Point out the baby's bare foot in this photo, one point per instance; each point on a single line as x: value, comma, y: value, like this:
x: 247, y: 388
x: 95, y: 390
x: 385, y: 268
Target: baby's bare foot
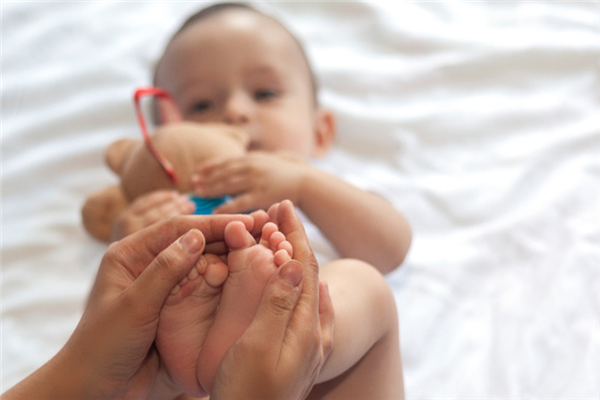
x: 250, y: 267
x: 185, y: 319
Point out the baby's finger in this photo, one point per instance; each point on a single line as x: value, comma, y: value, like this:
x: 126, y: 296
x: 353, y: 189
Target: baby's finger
x: 182, y: 206
x: 239, y: 204
x: 151, y: 200
x: 229, y: 186
x: 213, y: 164
x: 225, y: 171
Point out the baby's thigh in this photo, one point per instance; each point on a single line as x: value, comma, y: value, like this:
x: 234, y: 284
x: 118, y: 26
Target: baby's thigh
x: 358, y: 285
x: 364, y: 306
x: 366, y: 361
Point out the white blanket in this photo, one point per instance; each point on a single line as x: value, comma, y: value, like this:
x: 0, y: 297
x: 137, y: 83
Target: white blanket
x: 479, y: 120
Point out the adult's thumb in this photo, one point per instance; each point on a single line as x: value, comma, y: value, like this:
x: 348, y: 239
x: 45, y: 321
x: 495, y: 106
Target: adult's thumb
x: 278, y: 302
x: 170, y: 266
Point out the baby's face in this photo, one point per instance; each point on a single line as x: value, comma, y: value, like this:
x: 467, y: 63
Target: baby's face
x: 243, y: 69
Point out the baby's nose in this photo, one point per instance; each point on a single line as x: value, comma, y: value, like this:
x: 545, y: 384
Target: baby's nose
x: 238, y: 110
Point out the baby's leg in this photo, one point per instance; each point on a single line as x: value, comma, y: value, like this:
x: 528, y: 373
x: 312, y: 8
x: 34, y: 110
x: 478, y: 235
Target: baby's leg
x: 365, y: 362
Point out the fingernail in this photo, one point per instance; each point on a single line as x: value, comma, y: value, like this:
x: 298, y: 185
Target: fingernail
x: 196, y: 178
x: 191, y: 242
x: 291, y: 273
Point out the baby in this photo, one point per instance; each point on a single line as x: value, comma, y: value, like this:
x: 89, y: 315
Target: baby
x: 233, y: 65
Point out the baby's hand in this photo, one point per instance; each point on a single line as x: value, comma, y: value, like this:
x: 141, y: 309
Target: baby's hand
x: 149, y: 209
x: 257, y: 180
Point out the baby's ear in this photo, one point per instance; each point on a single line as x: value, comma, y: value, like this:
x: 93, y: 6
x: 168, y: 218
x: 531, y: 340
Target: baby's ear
x: 324, y: 132
x: 117, y: 153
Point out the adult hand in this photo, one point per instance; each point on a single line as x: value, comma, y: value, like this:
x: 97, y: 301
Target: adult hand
x: 281, y: 353
x: 111, y: 354
x: 149, y: 209
x: 257, y: 180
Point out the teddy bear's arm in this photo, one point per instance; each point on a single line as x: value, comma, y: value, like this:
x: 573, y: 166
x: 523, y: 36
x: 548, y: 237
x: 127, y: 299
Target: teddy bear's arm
x: 101, y: 209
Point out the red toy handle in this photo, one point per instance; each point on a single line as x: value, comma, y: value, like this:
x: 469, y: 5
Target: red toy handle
x: 163, y: 95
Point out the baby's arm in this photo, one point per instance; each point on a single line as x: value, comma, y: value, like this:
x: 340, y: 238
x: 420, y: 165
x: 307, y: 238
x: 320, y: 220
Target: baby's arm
x: 360, y: 224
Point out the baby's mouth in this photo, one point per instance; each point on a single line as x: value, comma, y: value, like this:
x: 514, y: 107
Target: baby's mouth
x: 241, y: 135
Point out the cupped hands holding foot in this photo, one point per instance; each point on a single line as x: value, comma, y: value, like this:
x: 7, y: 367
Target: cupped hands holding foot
x: 215, y: 303
x: 265, y: 317
x: 236, y: 324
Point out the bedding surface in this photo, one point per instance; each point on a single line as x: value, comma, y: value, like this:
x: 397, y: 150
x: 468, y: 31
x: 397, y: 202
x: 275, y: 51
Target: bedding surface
x: 480, y: 121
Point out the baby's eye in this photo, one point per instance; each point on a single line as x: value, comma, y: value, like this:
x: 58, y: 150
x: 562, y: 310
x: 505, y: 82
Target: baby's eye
x: 202, y: 106
x: 265, y: 95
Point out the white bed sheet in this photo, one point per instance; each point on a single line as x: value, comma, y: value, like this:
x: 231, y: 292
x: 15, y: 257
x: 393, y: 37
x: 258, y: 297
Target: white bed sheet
x: 479, y: 120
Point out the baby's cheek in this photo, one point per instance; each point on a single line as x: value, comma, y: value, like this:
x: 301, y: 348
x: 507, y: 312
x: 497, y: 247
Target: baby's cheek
x: 291, y: 134
x: 299, y: 143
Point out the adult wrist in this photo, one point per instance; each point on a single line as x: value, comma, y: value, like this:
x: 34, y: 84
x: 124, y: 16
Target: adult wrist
x: 57, y: 379
x: 74, y: 378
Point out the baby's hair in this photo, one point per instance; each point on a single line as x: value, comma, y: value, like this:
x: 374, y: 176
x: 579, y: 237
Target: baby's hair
x: 212, y: 10
x: 220, y: 7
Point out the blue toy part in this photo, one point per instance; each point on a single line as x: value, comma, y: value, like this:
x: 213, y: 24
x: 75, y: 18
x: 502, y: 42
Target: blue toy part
x: 205, y: 206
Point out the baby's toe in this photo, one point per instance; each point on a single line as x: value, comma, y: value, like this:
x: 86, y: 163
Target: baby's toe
x: 237, y: 237
x: 281, y: 257
x: 268, y: 230
x: 216, y: 270
x: 287, y: 246
x: 193, y: 274
x: 275, y: 240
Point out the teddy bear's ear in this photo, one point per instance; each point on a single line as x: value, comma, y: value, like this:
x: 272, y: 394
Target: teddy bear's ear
x: 117, y: 153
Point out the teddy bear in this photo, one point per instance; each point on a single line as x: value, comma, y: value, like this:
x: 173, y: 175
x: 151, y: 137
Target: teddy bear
x: 182, y: 146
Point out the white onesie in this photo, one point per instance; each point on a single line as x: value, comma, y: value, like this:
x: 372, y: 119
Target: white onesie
x: 321, y: 246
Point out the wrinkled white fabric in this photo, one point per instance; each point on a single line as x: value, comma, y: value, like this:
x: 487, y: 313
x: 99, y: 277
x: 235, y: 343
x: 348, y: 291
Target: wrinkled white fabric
x: 479, y: 120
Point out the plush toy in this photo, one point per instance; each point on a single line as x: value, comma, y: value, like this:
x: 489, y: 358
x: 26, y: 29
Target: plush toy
x: 167, y: 162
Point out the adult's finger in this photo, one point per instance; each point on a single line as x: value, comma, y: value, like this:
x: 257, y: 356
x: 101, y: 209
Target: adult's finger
x: 169, y: 267
x: 138, y: 250
x: 278, y: 301
x: 326, y: 318
x: 291, y: 226
x: 272, y: 213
